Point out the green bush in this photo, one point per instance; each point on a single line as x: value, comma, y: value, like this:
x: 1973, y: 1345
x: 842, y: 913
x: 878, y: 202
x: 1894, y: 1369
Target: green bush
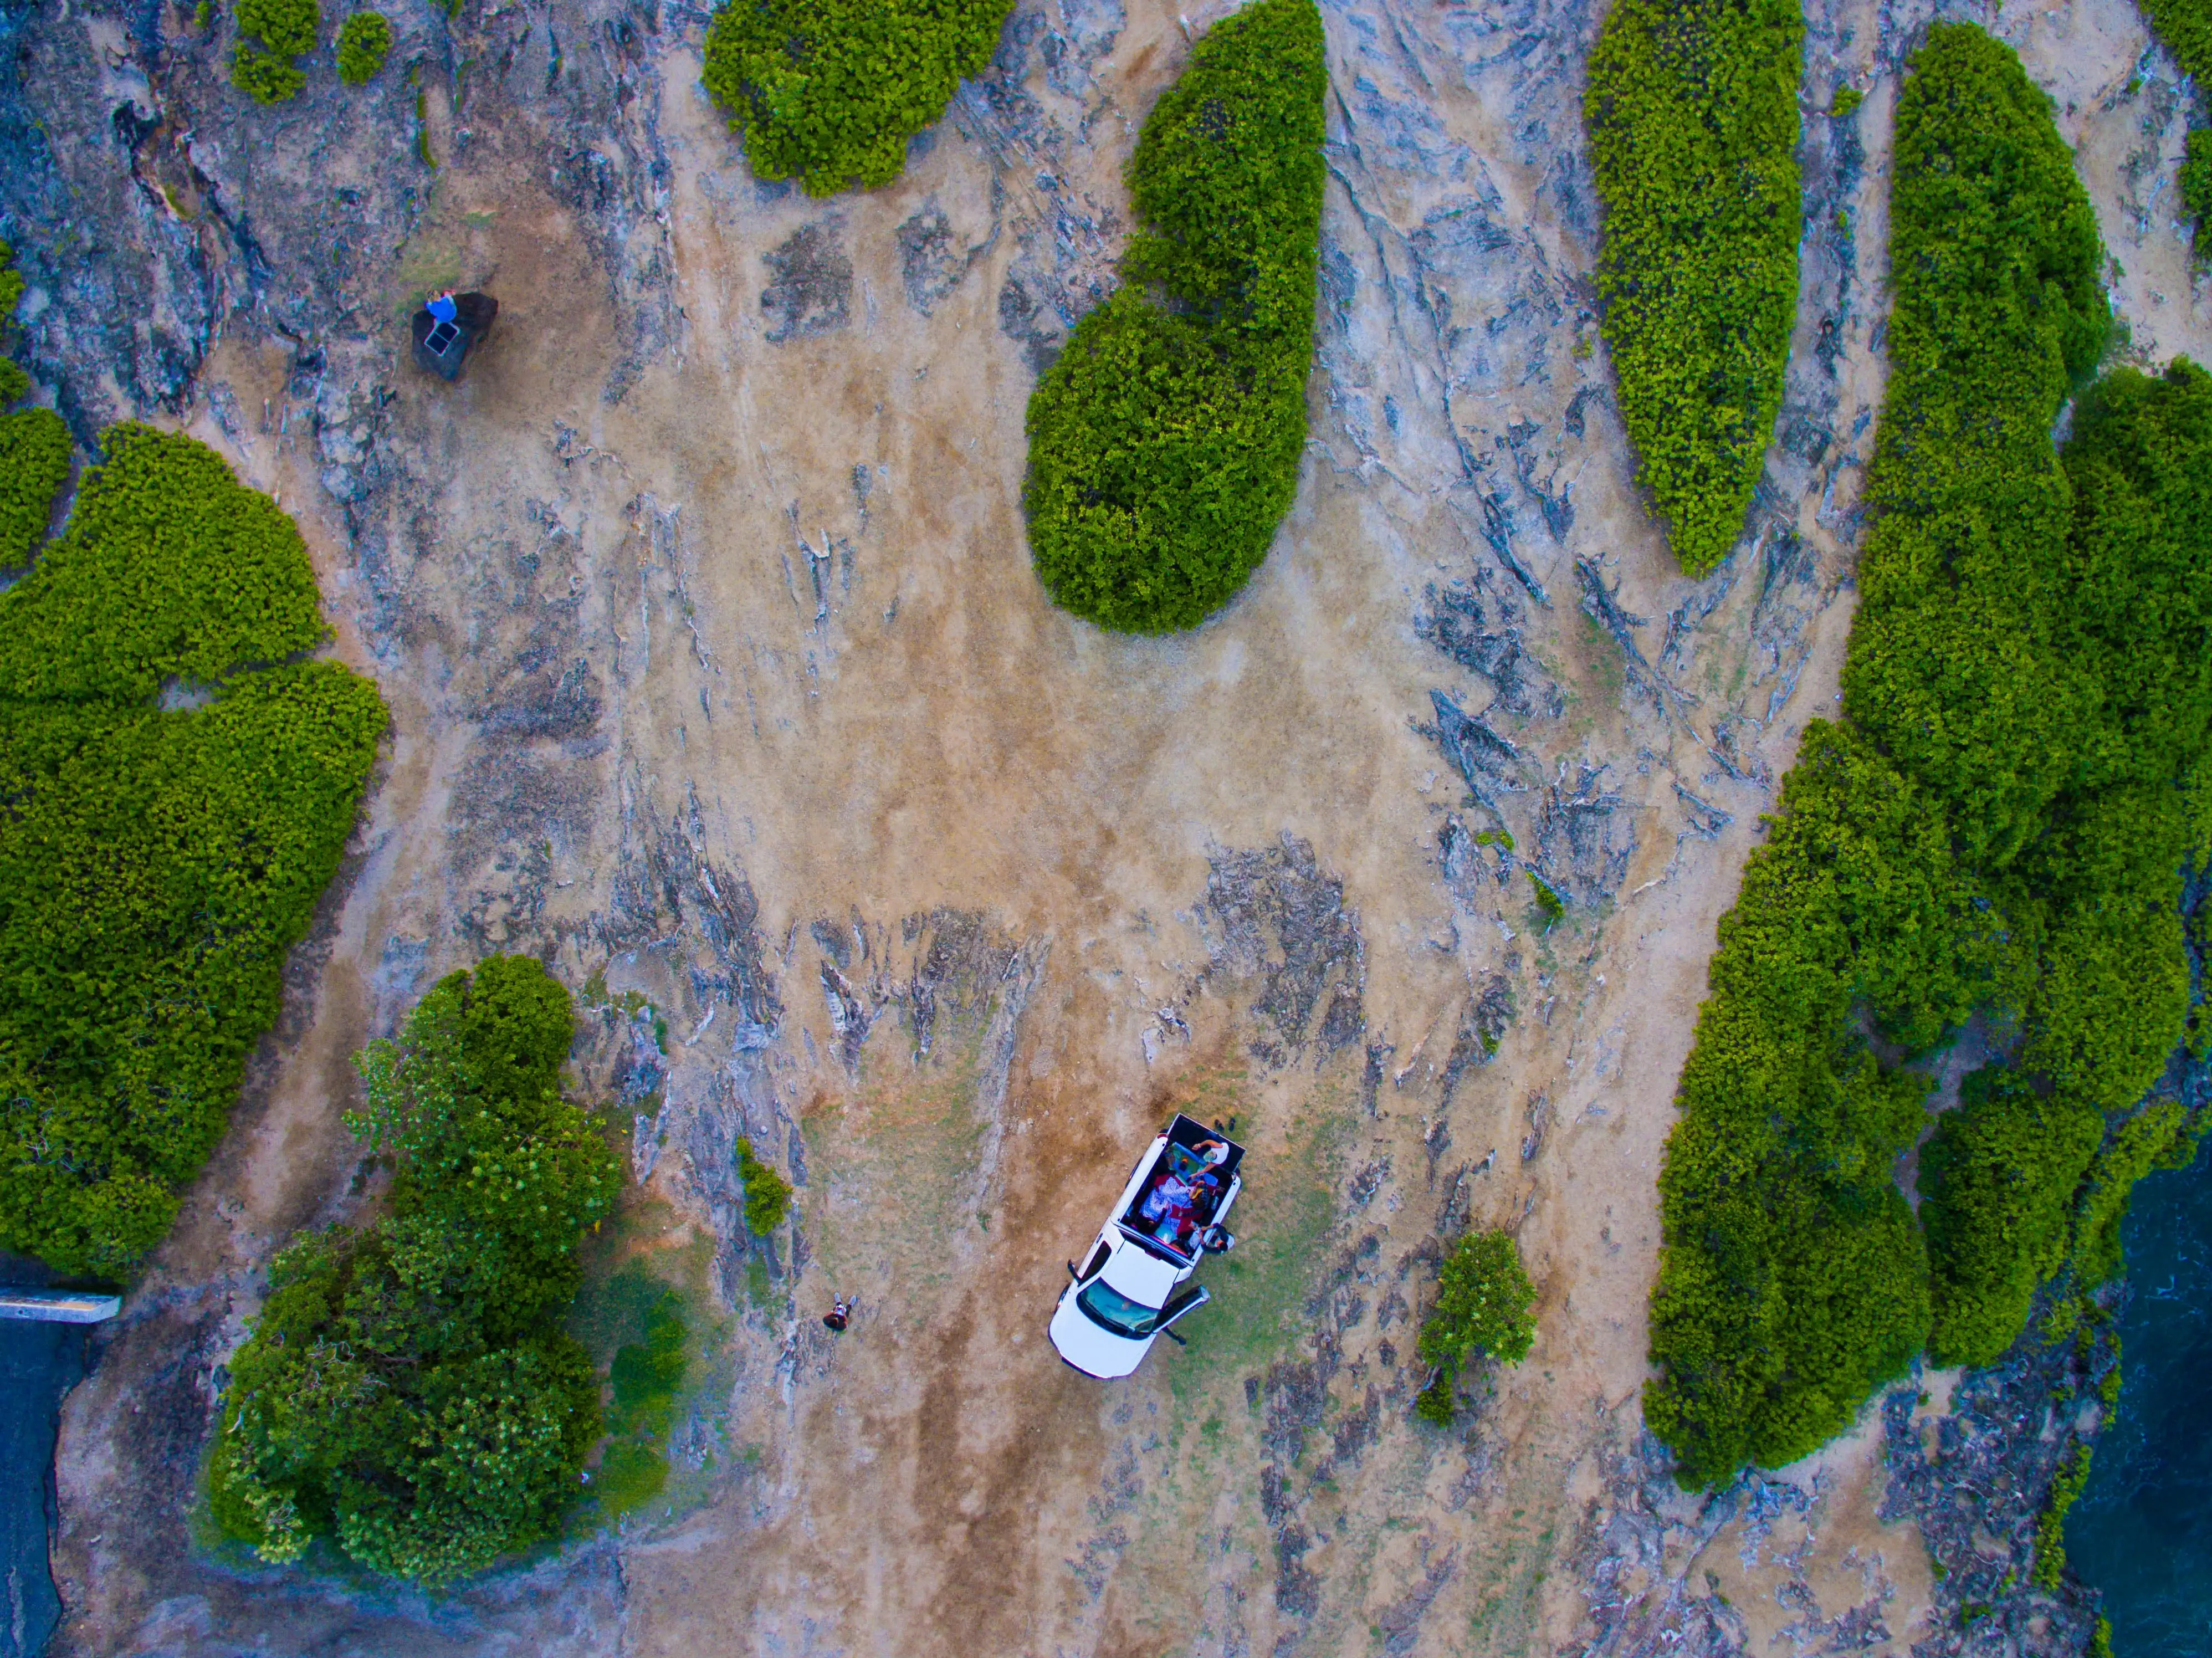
x: 1164, y: 443
x: 267, y: 80
x: 2185, y: 26
x: 1846, y: 102
x: 1692, y: 109
x: 2001, y: 822
x: 1484, y: 1302
x: 1998, y: 1182
x: 2196, y: 179
x: 829, y: 92
x: 362, y: 44
x: 169, y: 569
x: 1994, y: 265
x: 767, y: 1194
x: 155, y: 866
x: 34, y: 464
x: 407, y: 1389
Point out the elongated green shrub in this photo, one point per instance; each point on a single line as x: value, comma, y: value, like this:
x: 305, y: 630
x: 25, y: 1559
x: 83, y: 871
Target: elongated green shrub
x: 829, y: 92
x: 2001, y: 822
x: 1164, y: 443
x: 407, y: 1389
x: 1692, y: 116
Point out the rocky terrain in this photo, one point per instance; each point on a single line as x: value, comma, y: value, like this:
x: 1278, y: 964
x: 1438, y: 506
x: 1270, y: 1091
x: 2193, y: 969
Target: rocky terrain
x: 720, y: 681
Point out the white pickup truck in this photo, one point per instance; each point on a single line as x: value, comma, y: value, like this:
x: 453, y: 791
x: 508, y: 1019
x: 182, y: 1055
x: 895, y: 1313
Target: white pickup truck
x: 1170, y: 1213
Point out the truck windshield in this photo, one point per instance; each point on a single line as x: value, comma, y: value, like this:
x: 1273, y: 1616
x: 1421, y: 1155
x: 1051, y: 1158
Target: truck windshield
x: 1115, y: 1311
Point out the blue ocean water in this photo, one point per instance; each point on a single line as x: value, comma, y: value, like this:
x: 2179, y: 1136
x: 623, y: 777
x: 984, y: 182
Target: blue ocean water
x: 2142, y: 1531
x: 39, y: 1363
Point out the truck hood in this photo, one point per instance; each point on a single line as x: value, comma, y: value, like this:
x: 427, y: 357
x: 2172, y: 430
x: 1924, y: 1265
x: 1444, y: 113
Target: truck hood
x: 1093, y: 1351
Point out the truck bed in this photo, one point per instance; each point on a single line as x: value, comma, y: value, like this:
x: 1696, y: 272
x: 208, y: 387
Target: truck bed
x: 1173, y: 1223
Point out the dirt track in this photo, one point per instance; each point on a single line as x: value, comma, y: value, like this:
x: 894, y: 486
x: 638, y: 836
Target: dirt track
x: 718, y: 668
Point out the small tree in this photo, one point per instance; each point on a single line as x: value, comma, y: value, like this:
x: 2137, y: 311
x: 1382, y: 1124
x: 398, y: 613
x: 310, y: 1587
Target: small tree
x: 767, y: 1194
x: 1484, y: 1306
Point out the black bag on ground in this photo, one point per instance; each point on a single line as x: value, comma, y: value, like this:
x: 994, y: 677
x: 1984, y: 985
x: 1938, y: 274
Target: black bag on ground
x: 441, y: 346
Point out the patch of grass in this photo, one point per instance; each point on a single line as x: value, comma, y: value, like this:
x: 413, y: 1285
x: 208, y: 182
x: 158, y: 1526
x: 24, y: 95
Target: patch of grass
x: 1693, y: 115
x: 1164, y: 443
x: 1846, y: 102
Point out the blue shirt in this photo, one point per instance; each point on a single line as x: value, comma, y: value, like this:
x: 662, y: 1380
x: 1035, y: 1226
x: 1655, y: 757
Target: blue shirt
x: 442, y: 308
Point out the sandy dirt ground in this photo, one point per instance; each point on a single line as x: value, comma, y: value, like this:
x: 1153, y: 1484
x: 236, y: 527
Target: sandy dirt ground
x: 718, y: 670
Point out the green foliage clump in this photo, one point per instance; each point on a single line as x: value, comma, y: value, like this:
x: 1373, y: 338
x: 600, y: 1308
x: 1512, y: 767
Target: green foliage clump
x: 2196, y: 179
x: 829, y: 92
x: 1692, y: 116
x: 1846, y: 102
x: 1483, y: 1308
x: 2185, y: 26
x: 2001, y: 822
x: 407, y: 1389
x: 155, y: 865
x: 1999, y: 1181
x: 286, y: 28
x: 1994, y: 261
x: 363, y: 44
x: 767, y: 1194
x: 34, y: 443
x: 169, y: 569
x: 1164, y: 443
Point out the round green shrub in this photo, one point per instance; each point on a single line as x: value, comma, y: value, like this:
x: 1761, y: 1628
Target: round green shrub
x: 1164, y: 443
x: 829, y: 92
x: 363, y: 44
